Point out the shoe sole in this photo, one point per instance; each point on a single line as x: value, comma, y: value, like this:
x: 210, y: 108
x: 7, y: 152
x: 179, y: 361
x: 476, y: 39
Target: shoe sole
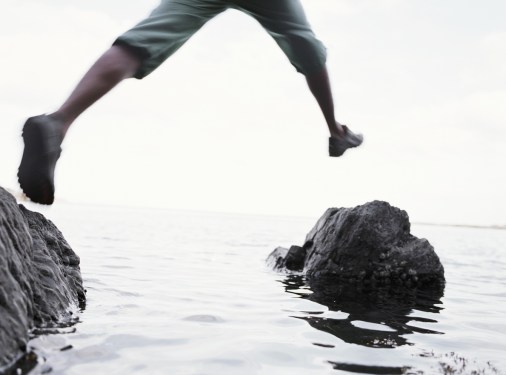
x: 338, y: 147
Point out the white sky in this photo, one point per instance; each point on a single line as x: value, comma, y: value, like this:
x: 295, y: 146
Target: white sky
x: 227, y: 124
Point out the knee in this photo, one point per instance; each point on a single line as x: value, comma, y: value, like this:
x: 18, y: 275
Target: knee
x: 119, y: 62
x: 306, y: 53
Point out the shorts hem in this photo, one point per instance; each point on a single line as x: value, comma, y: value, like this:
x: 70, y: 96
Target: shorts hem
x: 139, y: 51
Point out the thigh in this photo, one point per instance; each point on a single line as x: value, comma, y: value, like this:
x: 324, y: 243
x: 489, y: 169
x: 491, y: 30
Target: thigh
x: 175, y: 19
x: 286, y: 22
x: 276, y: 15
x: 202, y: 10
x: 167, y: 28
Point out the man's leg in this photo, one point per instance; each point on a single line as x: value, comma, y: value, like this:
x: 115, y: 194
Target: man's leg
x: 139, y: 51
x: 43, y: 135
x: 319, y: 84
x: 111, y: 68
x: 286, y: 22
x: 136, y: 53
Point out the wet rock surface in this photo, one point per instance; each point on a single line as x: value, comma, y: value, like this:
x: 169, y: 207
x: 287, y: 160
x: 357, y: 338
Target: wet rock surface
x: 368, y: 245
x: 40, y: 279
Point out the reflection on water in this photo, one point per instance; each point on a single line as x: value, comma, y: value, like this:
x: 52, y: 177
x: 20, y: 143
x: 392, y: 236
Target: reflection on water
x: 362, y: 369
x: 375, y: 318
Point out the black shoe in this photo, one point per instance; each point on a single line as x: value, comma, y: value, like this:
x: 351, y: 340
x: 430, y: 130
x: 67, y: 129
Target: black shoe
x: 42, y: 136
x: 337, y: 146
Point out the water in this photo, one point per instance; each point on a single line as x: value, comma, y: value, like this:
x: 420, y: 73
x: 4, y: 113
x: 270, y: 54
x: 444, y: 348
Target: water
x: 189, y: 293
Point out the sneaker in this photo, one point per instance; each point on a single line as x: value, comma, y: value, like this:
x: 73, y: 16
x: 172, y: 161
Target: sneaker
x: 337, y: 146
x: 42, y: 137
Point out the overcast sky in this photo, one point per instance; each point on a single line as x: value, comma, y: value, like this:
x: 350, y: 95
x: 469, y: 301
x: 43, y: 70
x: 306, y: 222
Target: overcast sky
x: 227, y: 124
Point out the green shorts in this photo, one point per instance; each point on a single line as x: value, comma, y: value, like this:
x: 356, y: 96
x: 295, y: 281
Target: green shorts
x: 173, y: 22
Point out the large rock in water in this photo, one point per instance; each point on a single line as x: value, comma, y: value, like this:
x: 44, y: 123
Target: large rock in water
x: 369, y: 245
x: 40, y: 280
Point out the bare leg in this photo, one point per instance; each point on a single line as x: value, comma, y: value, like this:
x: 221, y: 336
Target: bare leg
x: 116, y: 64
x: 319, y: 85
x: 43, y: 134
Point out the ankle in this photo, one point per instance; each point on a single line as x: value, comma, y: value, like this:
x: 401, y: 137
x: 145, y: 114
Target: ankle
x: 63, y: 121
x: 336, y: 129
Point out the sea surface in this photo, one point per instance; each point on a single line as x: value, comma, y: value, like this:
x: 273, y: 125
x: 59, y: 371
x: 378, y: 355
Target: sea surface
x: 178, y: 292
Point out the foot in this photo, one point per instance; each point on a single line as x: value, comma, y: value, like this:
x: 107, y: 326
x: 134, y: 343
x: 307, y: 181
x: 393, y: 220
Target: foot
x: 340, y: 142
x: 42, y: 136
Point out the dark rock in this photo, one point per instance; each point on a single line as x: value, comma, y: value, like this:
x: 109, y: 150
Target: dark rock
x: 294, y: 260
x: 363, y: 263
x: 290, y: 259
x: 369, y: 244
x: 40, y: 280
x: 276, y: 259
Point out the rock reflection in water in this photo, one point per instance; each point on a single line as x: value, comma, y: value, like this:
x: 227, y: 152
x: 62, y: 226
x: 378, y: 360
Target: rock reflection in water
x: 388, y: 308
